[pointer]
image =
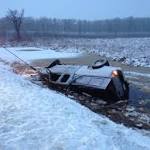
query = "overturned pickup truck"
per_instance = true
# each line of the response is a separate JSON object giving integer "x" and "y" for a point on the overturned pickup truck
{"x": 99, "y": 79}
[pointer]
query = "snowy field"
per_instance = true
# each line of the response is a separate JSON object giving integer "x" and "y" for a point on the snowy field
{"x": 35, "y": 118}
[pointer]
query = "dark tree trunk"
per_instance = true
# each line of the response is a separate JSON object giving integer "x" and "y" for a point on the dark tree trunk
{"x": 18, "y": 35}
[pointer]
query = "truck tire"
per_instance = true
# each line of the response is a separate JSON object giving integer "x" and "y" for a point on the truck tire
{"x": 100, "y": 63}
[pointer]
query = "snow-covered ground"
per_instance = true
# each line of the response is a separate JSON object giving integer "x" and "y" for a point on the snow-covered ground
{"x": 37, "y": 118}
{"x": 31, "y": 53}
{"x": 131, "y": 51}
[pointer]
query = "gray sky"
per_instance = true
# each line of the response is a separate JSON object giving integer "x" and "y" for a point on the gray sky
{"x": 79, "y": 9}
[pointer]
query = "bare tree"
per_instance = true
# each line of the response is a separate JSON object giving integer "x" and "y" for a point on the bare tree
{"x": 16, "y": 18}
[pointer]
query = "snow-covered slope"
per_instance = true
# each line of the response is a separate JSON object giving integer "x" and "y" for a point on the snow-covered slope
{"x": 34, "y": 118}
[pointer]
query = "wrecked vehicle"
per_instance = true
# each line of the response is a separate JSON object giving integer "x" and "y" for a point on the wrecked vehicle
{"x": 99, "y": 79}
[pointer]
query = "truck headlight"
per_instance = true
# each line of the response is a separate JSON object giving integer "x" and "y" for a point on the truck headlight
{"x": 115, "y": 73}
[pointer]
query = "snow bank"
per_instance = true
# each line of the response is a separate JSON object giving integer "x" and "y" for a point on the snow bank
{"x": 36, "y": 118}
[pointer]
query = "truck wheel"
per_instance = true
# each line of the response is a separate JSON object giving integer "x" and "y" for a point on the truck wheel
{"x": 100, "y": 63}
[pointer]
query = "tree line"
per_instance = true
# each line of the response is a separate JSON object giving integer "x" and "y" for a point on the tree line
{"x": 46, "y": 27}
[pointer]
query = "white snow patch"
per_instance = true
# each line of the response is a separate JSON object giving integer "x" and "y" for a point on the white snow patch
{"x": 137, "y": 74}
{"x": 36, "y": 118}
{"x": 31, "y": 53}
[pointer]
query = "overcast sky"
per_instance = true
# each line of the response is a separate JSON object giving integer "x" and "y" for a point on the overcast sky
{"x": 79, "y": 9}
